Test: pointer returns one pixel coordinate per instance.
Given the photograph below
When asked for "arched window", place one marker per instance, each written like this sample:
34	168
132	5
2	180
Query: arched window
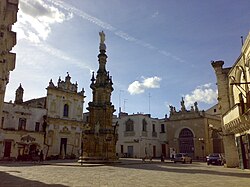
144	125
153	128
162	128
22	124
66	110
129	125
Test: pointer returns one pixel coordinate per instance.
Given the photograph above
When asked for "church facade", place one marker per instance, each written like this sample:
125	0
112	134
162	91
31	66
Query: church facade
64	106
194	131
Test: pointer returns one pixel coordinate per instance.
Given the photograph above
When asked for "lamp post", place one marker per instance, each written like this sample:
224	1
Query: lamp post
202	147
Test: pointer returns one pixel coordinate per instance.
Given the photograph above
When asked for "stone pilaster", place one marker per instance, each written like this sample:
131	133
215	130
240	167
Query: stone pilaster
231	154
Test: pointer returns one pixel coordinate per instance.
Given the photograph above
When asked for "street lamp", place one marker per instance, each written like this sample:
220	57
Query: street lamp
202	147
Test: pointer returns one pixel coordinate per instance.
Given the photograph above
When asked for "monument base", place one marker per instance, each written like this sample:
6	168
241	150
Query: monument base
96	160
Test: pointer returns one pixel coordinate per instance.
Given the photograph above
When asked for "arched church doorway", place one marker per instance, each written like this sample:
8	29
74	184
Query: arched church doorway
186	141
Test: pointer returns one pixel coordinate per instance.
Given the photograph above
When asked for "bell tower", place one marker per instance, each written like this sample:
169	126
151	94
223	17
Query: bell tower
19	95
100	137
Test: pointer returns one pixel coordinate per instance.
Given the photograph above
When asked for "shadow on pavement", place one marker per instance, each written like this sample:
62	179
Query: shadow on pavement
184	168
32	163
8	180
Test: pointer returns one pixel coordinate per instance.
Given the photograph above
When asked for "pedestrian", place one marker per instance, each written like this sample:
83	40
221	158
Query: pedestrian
162	157
41	156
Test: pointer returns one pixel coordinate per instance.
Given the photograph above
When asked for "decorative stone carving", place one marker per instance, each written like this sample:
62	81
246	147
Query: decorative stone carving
183	108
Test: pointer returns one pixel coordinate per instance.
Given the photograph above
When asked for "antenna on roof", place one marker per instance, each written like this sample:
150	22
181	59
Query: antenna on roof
120	101
149	96
124	103
241	41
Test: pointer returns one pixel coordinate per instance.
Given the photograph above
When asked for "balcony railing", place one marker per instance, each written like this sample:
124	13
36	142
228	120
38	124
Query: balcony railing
144	133
154	134
237	119
232	114
129	133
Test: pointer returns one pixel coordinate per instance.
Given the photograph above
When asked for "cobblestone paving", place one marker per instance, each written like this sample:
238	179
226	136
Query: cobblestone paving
127	173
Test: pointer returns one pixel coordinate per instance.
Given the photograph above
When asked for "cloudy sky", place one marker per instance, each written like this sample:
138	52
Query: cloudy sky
158	51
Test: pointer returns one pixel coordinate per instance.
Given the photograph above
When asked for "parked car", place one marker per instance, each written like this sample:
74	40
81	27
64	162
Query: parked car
182	157
216	159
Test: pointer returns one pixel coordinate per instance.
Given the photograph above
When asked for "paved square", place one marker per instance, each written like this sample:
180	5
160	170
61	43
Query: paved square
127	173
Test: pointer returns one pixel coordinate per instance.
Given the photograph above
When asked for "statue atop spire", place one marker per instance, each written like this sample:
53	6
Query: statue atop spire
102	40
102	37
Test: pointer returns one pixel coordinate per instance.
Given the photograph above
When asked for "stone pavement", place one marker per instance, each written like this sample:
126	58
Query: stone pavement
129	172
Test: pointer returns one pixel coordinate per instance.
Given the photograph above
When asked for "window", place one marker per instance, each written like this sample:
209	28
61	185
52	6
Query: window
66	110
22	124
122	149
162	128
2	122
153	127
144	125
37	127
129	125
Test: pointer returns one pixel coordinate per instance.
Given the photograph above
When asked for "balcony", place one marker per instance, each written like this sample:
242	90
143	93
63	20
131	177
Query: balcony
163	136
129	133
235	121
154	134
144	133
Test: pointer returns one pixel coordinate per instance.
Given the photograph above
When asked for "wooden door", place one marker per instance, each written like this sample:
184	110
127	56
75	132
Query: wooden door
7	148
163	149
154	151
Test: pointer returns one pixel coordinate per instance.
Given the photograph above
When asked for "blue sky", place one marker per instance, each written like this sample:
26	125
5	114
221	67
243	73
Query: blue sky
158	51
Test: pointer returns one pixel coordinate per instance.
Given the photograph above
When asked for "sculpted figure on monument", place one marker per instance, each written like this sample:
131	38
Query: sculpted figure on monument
171	109
97	128
102	40
102	37
196	107
183	108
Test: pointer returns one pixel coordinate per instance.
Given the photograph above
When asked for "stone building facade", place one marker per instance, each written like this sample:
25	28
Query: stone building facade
194	131
140	136
22	133
234	103
64	106
8	16
53	123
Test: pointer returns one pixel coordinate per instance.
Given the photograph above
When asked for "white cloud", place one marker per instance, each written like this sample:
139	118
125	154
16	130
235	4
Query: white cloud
35	19
203	94
139	87
155	14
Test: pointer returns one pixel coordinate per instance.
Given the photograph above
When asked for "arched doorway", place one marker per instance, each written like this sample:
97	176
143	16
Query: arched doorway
217	143
186	141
